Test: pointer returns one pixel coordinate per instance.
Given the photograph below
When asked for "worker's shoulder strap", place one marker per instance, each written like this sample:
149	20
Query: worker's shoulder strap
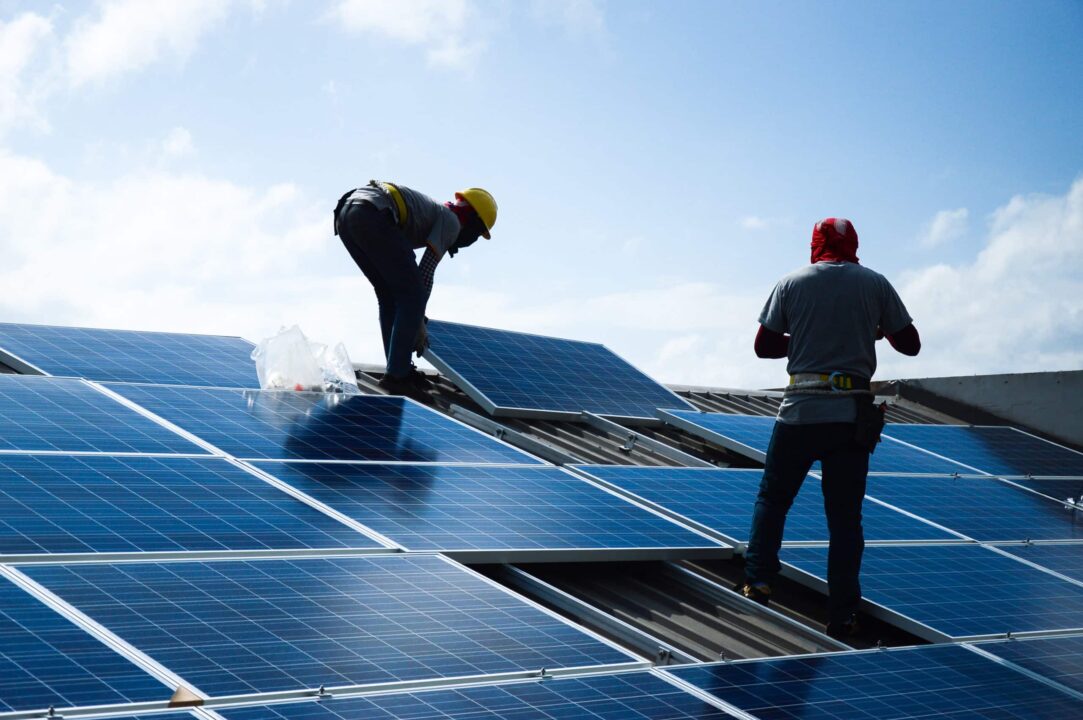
396	197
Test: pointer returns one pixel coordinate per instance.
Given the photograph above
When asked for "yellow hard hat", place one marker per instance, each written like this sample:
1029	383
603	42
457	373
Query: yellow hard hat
484	205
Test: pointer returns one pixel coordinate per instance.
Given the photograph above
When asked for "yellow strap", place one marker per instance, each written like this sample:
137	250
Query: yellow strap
400	204
843	382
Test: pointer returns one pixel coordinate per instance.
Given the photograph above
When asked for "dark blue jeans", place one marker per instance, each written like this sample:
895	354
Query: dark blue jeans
379	249
790	455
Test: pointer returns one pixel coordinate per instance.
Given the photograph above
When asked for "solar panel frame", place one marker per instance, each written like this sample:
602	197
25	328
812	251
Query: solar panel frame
306	426
1054	659
495	512
698	488
245	626
639	695
959	443
1024	599
752	439
982	508
69	415
1064	559
489	397
915	682
128	355
116	506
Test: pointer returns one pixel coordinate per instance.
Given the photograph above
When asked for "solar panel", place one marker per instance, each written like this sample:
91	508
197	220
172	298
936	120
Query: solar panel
432	507
627	696
92	503
1065	559
233	627
1063	489
981	508
314	426
62	414
723	500
130	356
958	590
750	435
993	450
934	681
512	373
45	661
1056	658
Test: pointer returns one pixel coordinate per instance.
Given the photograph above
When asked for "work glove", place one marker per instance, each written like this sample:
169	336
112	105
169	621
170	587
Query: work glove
421	340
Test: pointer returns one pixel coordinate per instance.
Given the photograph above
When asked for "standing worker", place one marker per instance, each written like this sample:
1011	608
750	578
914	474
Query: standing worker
826	318
381	225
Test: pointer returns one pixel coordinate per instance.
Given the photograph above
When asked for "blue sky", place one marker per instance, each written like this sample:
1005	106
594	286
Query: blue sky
658	166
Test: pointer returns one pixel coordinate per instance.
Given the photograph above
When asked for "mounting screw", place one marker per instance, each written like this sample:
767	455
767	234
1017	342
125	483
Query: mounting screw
664	655
544	674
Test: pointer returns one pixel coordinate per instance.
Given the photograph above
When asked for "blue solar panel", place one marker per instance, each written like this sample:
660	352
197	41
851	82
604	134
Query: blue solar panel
38	413
46	660
516	373
132	356
994	450
936	681
314	426
1064	489
723	500
959	590
431	507
981	508
750	435
93	503
1059	658
258	626
628	696
1064	559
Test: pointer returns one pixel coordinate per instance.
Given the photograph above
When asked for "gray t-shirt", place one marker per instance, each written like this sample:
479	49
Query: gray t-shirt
428	223
831	311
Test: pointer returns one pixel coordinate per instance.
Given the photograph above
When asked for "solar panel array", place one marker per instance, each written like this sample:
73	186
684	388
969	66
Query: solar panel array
130	356
511	373
992	450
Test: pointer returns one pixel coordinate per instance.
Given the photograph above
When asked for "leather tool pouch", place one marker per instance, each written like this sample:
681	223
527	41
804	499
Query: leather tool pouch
870	422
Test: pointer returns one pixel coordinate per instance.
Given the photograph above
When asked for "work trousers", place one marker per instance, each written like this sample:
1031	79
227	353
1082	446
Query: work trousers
385	257
845	466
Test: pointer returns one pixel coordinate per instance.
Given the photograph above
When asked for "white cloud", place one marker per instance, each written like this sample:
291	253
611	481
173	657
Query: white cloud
946	226
126	35
754	222
577	17
442	27
1017	307
23	41
178	143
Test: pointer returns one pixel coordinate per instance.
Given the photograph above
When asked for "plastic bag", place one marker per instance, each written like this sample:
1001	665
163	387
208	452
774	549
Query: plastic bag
289	361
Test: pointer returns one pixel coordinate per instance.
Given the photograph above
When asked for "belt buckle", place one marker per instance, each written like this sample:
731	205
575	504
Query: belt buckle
831	381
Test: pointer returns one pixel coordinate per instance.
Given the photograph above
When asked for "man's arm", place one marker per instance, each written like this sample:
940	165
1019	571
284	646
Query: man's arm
907	341
427	266
770	344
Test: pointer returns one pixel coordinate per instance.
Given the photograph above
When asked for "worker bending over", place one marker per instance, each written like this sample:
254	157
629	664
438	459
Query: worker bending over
381	225
826	318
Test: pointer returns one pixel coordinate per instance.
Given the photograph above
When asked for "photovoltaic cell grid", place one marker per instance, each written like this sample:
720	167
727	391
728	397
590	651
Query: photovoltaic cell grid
1070	489
518	371
67	415
431	507
46	660
132	356
958	590
1054	658
980	508
754	432
723	500
628	696
257	626
91	504
942	681
1064	559
994	450
314	426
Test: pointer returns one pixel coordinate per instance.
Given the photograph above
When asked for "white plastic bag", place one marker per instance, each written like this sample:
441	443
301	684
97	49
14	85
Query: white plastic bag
289	361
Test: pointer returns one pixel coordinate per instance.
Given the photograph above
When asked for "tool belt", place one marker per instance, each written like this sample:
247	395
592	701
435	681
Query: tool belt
832	383
869	418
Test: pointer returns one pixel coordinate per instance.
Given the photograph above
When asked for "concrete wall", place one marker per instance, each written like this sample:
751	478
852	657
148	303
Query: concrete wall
1050	402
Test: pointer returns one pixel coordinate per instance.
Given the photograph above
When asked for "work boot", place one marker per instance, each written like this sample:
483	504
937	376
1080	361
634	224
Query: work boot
844	629
393	385
759	592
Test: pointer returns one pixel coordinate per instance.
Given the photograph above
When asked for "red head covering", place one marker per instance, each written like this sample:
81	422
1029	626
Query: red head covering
834	239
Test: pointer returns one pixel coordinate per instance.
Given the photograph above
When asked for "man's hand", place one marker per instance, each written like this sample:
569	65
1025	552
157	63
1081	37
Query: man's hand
421	340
